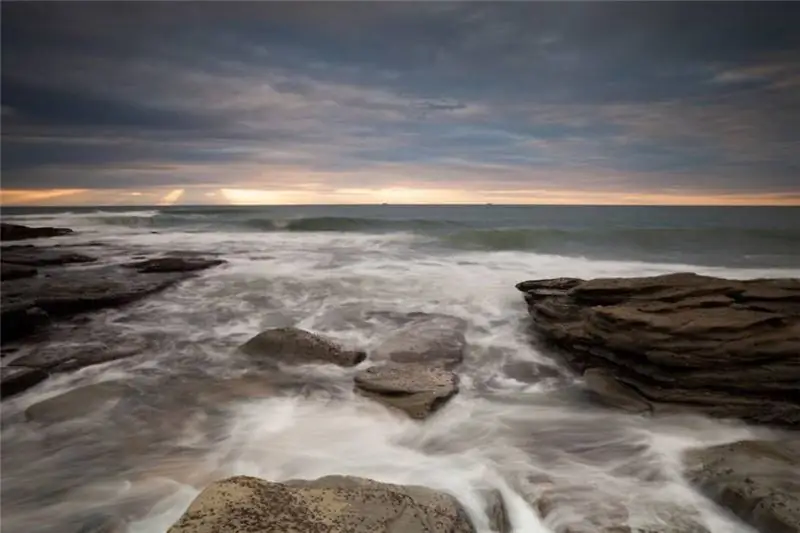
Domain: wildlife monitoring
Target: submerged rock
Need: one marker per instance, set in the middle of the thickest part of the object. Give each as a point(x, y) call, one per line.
point(9, 271)
point(77, 402)
point(677, 342)
point(175, 264)
point(431, 339)
point(296, 346)
point(334, 504)
point(38, 256)
point(759, 481)
point(16, 232)
point(415, 389)
point(27, 304)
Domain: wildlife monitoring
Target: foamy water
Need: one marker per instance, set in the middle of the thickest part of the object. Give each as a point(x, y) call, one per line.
point(194, 412)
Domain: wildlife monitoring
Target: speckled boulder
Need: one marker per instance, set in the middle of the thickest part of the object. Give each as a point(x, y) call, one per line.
point(418, 390)
point(297, 346)
point(332, 504)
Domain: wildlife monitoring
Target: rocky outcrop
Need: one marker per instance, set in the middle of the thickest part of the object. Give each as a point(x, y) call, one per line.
point(756, 480)
point(16, 232)
point(175, 264)
point(679, 342)
point(297, 347)
point(26, 303)
point(334, 504)
point(14, 380)
point(10, 271)
point(414, 389)
point(430, 339)
point(35, 256)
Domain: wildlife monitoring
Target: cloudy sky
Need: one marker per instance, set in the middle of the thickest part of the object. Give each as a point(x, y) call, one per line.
point(411, 102)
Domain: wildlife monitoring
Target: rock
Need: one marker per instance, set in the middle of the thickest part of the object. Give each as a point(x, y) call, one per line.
point(415, 389)
point(613, 393)
point(298, 347)
point(14, 380)
point(334, 504)
point(15, 232)
point(26, 303)
point(175, 264)
point(77, 402)
point(38, 256)
point(9, 271)
point(431, 339)
point(756, 480)
point(679, 342)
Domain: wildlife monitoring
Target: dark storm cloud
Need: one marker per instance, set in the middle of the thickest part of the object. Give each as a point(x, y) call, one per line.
point(618, 96)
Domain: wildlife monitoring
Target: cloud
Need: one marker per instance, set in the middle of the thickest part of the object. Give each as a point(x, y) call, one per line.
point(592, 97)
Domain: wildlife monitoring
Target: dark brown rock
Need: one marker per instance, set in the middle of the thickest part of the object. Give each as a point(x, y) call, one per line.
point(16, 232)
point(333, 504)
point(14, 380)
point(10, 271)
point(756, 480)
point(679, 342)
point(26, 304)
point(38, 256)
point(297, 347)
point(175, 264)
point(415, 389)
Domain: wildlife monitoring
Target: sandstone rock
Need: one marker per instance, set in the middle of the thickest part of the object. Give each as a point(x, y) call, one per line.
point(431, 339)
point(175, 264)
point(725, 348)
point(9, 271)
point(333, 504)
point(16, 232)
point(415, 389)
point(38, 256)
point(612, 392)
point(759, 481)
point(14, 380)
point(296, 346)
point(25, 304)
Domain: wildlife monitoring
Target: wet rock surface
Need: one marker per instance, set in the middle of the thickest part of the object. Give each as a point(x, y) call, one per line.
point(41, 256)
point(335, 504)
point(759, 481)
point(414, 389)
point(10, 271)
point(296, 346)
point(426, 338)
point(17, 379)
point(17, 232)
point(174, 264)
point(679, 342)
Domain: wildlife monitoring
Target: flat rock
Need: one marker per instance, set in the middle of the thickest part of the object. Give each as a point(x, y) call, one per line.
point(26, 304)
point(759, 481)
point(39, 256)
point(296, 346)
point(334, 504)
point(679, 342)
point(16, 232)
point(61, 357)
point(9, 271)
point(175, 264)
point(14, 380)
point(77, 402)
point(417, 390)
point(431, 339)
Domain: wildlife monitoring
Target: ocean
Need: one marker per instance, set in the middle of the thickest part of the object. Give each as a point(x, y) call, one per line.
point(347, 272)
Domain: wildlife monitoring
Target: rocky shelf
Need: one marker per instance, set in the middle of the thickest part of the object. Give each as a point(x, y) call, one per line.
point(679, 342)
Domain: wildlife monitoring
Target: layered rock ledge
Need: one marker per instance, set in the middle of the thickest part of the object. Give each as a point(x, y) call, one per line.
point(677, 342)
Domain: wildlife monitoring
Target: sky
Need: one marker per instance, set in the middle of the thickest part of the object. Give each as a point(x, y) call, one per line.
point(128, 103)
